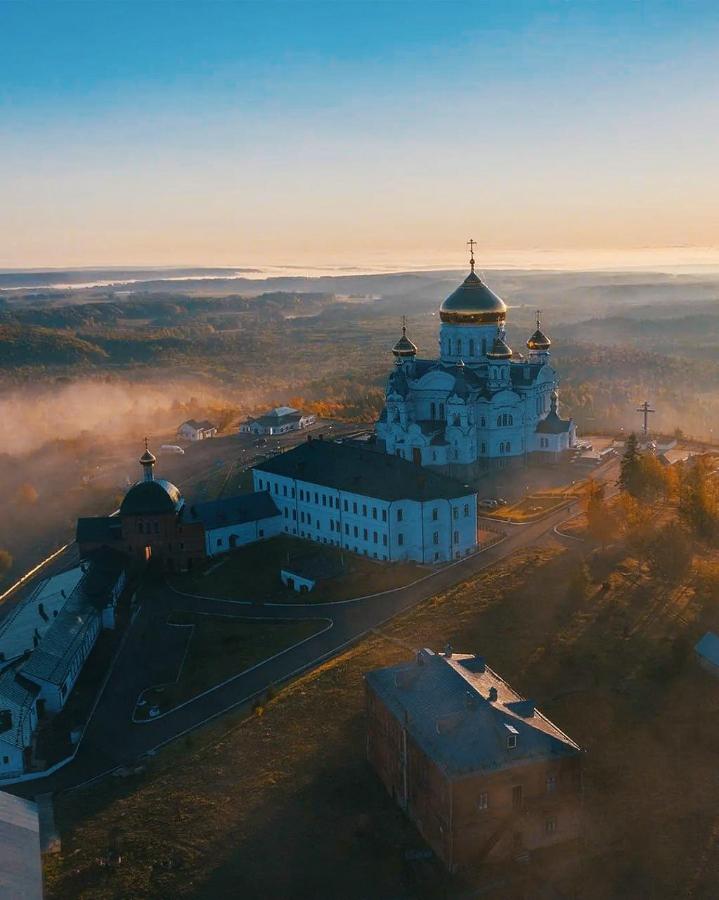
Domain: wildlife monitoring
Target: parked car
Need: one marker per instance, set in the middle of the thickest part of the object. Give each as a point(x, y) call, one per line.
point(172, 448)
point(488, 503)
point(502, 502)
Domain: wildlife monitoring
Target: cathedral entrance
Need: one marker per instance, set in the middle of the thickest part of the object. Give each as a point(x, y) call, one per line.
point(416, 456)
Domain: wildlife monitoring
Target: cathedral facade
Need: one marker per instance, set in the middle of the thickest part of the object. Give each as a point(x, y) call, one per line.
point(478, 406)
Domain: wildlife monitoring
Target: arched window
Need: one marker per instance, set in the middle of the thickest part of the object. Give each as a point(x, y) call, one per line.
point(510, 420)
point(432, 411)
point(499, 421)
point(483, 422)
point(449, 347)
point(441, 410)
point(484, 346)
point(501, 447)
point(456, 420)
point(459, 347)
point(508, 447)
point(471, 347)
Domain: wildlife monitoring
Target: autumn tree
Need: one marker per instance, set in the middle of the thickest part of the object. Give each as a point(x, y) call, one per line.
point(670, 552)
point(5, 562)
point(698, 501)
point(630, 475)
point(601, 523)
point(26, 495)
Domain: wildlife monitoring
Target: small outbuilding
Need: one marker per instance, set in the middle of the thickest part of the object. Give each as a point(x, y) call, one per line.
point(192, 430)
point(303, 573)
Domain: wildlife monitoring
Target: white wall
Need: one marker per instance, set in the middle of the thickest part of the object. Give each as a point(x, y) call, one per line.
point(380, 529)
point(220, 540)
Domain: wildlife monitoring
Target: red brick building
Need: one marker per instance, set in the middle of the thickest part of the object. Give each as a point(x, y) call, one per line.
point(151, 525)
point(478, 769)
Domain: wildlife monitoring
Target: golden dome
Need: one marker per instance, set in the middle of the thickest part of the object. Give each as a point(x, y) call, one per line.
point(473, 303)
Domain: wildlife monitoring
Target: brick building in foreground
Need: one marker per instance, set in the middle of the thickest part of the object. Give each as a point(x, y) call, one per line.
point(478, 769)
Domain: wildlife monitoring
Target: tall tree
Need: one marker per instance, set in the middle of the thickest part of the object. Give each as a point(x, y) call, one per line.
point(601, 523)
point(698, 506)
point(630, 475)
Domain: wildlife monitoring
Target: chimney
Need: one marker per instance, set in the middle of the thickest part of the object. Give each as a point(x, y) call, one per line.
point(492, 695)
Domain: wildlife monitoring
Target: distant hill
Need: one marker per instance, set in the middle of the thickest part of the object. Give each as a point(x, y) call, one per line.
point(27, 345)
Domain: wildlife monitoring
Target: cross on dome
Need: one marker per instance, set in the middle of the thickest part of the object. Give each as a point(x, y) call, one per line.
point(471, 243)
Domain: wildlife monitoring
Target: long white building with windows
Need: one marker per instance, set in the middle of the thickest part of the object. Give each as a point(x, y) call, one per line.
point(479, 405)
point(370, 503)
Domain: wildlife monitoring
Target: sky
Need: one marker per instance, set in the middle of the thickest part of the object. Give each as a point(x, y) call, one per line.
point(358, 133)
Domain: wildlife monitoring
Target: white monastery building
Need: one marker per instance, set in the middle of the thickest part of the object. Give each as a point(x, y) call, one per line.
point(478, 406)
point(370, 503)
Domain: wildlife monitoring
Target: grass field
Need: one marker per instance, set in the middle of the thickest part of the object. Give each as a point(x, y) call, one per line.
point(253, 573)
point(538, 504)
point(219, 647)
point(284, 805)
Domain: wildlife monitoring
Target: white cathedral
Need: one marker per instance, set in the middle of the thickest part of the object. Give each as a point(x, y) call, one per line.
point(479, 405)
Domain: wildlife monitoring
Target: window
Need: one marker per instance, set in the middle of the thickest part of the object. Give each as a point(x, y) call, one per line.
point(455, 513)
point(456, 537)
point(432, 411)
point(384, 540)
point(471, 347)
point(483, 422)
point(356, 532)
point(399, 515)
point(483, 800)
point(459, 347)
point(435, 513)
point(441, 410)
point(517, 796)
point(511, 741)
point(400, 540)
point(6, 760)
point(384, 515)
point(287, 513)
point(332, 524)
point(375, 537)
point(259, 484)
point(466, 510)
point(317, 524)
point(435, 537)
point(508, 447)
point(284, 488)
point(219, 542)
point(484, 447)
point(374, 512)
point(354, 508)
point(551, 784)
point(456, 420)
point(365, 533)
point(364, 510)
point(347, 506)
point(294, 514)
point(317, 497)
point(550, 826)
point(293, 493)
point(484, 346)
point(338, 527)
point(324, 499)
point(277, 488)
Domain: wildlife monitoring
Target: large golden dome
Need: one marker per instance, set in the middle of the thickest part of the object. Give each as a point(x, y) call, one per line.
point(473, 303)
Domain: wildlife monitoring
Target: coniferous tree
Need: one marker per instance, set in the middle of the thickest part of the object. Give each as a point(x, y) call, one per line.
point(630, 475)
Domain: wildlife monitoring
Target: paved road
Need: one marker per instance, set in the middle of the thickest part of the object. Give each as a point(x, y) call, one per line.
point(112, 739)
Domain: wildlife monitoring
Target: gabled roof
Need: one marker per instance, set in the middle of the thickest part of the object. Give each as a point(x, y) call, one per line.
point(20, 859)
point(447, 704)
point(98, 530)
point(16, 700)
point(553, 424)
point(204, 425)
point(347, 467)
point(234, 510)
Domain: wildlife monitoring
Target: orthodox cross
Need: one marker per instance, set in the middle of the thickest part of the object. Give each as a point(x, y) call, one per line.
point(471, 244)
point(539, 316)
point(645, 408)
point(404, 325)
point(147, 444)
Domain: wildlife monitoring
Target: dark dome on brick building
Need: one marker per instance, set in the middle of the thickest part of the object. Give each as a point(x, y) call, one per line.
point(151, 498)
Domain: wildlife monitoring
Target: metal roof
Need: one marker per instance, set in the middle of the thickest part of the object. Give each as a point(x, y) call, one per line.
point(447, 704)
point(20, 859)
point(354, 469)
point(98, 530)
point(151, 498)
point(708, 648)
point(234, 510)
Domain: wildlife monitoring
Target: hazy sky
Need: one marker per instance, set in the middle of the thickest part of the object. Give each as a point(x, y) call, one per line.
point(349, 133)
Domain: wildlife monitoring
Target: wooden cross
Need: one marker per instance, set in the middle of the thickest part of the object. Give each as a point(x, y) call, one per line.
point(645, 408)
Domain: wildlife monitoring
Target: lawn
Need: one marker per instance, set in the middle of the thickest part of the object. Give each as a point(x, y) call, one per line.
point(538, 504)
point(219, 647)
point(608, 658)
point(253, 573)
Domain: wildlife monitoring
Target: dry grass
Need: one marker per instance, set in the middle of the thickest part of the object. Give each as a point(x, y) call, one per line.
point(285, 806)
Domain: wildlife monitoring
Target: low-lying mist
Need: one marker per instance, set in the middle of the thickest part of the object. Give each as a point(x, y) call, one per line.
point(105, 410)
